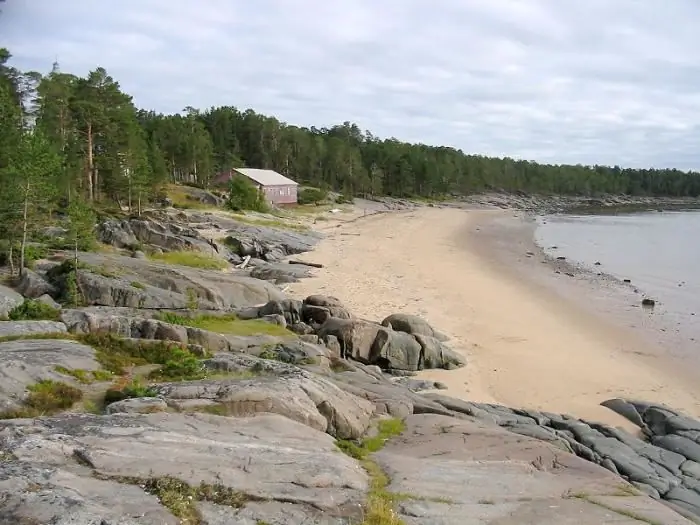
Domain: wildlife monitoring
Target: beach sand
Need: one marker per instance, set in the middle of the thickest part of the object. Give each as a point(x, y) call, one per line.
point(526, 345)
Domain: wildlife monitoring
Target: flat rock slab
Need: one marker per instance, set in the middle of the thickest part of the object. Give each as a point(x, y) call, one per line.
point(25, 362)
point(165, 286)
point(267, 457)
point(467, 472)
point(22, 328)
point(281, 389)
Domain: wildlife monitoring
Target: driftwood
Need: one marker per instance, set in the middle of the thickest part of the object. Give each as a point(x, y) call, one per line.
point(245, 262)
point(315, 265)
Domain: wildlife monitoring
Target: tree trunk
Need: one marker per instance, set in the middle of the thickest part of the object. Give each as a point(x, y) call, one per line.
point(11, 254)
point(90, 163)
point(23, 246)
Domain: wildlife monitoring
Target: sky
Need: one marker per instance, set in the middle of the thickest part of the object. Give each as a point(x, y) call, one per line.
point(561, 81)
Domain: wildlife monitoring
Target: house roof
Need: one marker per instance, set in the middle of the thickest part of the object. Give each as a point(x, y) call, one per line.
point(265, 177)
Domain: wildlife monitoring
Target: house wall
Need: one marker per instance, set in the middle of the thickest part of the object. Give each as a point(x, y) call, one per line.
point(282, 194)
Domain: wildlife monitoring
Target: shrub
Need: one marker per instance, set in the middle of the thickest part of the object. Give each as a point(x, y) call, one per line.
point(134, 389)
point(311, 196)
point(243, 195)
point(32, 310)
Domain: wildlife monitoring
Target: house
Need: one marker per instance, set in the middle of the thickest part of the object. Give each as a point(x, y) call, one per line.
point(277, 188)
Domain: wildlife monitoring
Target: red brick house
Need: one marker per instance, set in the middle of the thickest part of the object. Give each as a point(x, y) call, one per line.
point(277, 188)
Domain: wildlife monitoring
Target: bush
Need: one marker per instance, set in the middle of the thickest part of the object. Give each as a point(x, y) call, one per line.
point(243, 195)
point(132, 390)
point(31, 310)
point(311, 196)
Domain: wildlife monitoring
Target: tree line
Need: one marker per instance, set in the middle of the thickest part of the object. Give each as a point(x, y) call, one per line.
point(82, 139)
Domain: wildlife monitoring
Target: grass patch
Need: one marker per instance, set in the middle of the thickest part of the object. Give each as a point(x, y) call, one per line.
point(379, 508)
point(136, 388)
point(116, 355)
point(183, 199)
point(270, 223)
point(85, 376)
point(191, 259)
point(136, 284)
point(181, 498)
point(31, 310)
point(225, 324)
point(45, 398)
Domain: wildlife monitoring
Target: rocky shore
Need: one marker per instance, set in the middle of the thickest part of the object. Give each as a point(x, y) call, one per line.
point(166, 393)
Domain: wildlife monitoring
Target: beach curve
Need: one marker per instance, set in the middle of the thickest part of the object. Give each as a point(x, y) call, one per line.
point(525, 346)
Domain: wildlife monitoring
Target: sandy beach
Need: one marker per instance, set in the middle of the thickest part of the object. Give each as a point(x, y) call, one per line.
point(526, 345)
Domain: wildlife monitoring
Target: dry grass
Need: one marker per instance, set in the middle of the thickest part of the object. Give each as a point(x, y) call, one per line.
point(191, 259)
point(226, 324)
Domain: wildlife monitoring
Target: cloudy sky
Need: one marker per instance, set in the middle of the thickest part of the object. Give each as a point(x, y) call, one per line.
point(595, 81)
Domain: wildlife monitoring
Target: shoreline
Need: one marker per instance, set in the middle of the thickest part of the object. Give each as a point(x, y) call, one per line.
point(526, 345)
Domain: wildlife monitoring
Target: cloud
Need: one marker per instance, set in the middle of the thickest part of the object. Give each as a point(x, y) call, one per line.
point(576, 82)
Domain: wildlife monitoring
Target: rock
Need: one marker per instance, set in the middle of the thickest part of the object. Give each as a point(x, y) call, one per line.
point(138, 254)
point(163, 286)
point(280, 273)
point(325, 301)
point(648, 302)
point(301, 328)
point(25, 362)
point(268, 458)
point(269, 244)
point(290, 309)
point(49, 301)
point(292, 392)
point(137, 405)
point(436, 355)
point(32, 285)
point(396, 350)
point(36, 493)
point(411, 324)
point(354, 336)
point(295, 352)
point(275, 319)
point(418, 385)
point(8, 300)
point(25, 328)
point(469, 472)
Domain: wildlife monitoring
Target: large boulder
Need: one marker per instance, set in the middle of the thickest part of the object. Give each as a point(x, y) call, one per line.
point(396, 351)
point(84, 467)
point(411, 324)
point(8, 300)
point(33, 286)
point(435, 354)
point(355, 336)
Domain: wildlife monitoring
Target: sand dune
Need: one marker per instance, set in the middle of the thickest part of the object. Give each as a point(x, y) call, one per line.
point(525, 348)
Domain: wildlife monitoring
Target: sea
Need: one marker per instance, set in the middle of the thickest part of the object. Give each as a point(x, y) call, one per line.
point(658, 253)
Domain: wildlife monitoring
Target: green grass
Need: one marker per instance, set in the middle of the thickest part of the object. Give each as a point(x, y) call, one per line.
point(136, 388)
point(379, 507)
point(191, 259)
point(136, 284)
point(85, 376)
point(31, 310)
point(226, 324)
point(116, 355)
point(45, 397)
point(269, 223)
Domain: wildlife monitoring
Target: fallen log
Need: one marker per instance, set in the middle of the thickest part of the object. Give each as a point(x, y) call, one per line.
point(314, 265)
point(245, 262)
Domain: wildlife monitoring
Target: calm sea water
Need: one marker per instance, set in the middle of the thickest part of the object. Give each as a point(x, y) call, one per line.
point(658, 252)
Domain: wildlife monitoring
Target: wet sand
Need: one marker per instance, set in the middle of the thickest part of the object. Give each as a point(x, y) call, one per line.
point(528, 340)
